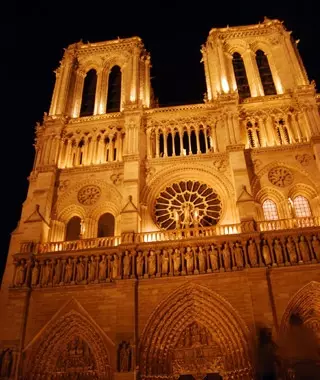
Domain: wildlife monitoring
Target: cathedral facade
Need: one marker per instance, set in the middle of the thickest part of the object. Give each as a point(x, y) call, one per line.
point(170, 242)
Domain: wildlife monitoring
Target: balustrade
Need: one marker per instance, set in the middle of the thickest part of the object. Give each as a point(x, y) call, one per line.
point(215, 255)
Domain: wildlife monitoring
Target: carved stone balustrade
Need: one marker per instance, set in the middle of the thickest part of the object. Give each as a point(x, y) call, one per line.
point(179, 257)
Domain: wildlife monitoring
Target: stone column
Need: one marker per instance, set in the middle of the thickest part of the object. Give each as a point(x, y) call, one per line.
point(66, 69)
point(206, 71)
point(147, 81)
point(249, 60)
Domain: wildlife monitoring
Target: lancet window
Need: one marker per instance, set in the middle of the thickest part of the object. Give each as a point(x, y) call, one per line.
point(253, 133)
point(73, 229)
point(114, 90)
point(301, 207)
point(89, 93)
point(282, 132)
point(270, 210)
point(265, 73)
point(106, 225)
point(241, 76)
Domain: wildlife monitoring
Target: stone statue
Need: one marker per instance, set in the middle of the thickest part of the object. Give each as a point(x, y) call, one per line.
point(103, 268)
point(80, 270)
point(238, 255)
point(92, 270)
point(46, 273)
point(57, 272)
point(189, 261)
point(115, 266)
point(226, 256)
point(252, 253)
point(68, 271)
point(202, 260)
point(35, 274)
point(126, 264)
point(176, 260)
point(316, 247)
point(164, 262)
point(6, 364)
point(266, 253)
point(214, 258)
point(278, 251)
point(304, 249)
point(152, 263)
point(124, 358)
point(140, 264)
point(186, 215)
point(291, 247)
point(20, 273)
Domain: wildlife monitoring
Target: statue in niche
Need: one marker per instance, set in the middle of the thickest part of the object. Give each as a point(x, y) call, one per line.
point(68, 271)
point(316, 247)
point(80, 270)
point(103, 268)
point(35, 274)
point(238, 255)
point(140, 264)
point(226, 256)
point(164, 262)
point(189, 260)
point(176, 260)
point(126, 264)
point(115, 266)
point(152, 263)
point(6, 363)
point(202, 260)
point(214, 257)
point(124, 357)
point(278, 251)
point(46, 273)
point(291, 247)
point(57, 272)
point(92, 269)
point(253, 253)
point(304, 249)
point(266, 253)
point(20, 273)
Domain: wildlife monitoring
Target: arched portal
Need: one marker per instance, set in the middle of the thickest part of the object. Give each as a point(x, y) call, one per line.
point(106, 225)
point(73, 228)
point(70, 348)
point(195, 331)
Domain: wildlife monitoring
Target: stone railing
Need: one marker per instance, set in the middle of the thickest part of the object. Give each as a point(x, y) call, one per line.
point(172, 258)
point(283, 224)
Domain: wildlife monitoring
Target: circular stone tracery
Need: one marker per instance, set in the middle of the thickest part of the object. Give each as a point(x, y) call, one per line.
point(280, 176)
point(89, 195)
point(187, 204)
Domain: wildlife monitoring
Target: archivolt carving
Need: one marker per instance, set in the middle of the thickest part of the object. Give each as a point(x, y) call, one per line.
point(104, 207)
point(63, 333)
point(302, 189)
point(73, 210)
point(191, 305)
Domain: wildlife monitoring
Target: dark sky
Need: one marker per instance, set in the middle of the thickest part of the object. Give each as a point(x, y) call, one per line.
point(34, 34)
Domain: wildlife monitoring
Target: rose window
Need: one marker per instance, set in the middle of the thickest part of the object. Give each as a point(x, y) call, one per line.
point(89, 195)
point(187, 204)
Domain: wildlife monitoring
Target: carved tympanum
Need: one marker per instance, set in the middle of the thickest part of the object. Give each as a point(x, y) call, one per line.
point(89, 195)
point(280, 176)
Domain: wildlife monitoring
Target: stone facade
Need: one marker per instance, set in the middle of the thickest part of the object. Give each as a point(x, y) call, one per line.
point(208, 263)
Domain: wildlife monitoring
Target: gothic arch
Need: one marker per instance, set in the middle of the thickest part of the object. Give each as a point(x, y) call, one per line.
point(276, 196)
point(54, 340)
point(67, 213)
point(194, 303)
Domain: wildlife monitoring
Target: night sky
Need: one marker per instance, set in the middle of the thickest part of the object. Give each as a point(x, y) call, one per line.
point(35, 33)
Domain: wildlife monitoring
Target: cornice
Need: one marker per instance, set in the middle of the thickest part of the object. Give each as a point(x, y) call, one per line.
point(110, 166)
point(281, 148)
point(118, 116)
point(184, 159)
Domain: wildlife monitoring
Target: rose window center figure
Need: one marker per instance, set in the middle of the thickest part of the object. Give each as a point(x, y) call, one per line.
point(187, 204)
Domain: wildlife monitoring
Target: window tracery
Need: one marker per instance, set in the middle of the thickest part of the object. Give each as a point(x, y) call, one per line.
point(301, 207)
point(253, 133)
point(270, 210)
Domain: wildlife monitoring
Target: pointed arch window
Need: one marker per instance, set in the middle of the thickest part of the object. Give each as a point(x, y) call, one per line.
point(106, 225)
point(265, 73)
point(301, 207)
point(73, 228)
point(253, 132)
point(89, 93)
point(270, 210)
point(114, 90)
point(241, 76)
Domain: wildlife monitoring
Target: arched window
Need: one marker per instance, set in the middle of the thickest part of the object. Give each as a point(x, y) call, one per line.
point(253, 132)
point(301, 207)
point(169, 145)
point(177, 147)
point(114, 90)
point(202, 141)
point(185, 141)
point(241, 76)
point(193, 142)
point(265, 73)
point(88, 93)
point(270, 211)
point(73, 228)
point(106, 225)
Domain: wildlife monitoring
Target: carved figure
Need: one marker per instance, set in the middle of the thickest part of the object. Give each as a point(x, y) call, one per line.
point(226, 256)
point(103, 268)
point(46, 273)
point(6, 364)
point(92, 270)
point(20, 274)
point(202, 260)
point(164, 262)
point(252, 253)
point(68, 271)
point(35, 274)
point(80, 270)
point(57, 272)
point(152, 263)
point(126, 264)
point(214, 260)
point(238, 255)
point(316, 247)
point(176, 260)
point(124, 359)
point(304, 249)
point(278, 251)
point(115, 266)
point(139, 264)
point(189, 260)
point(291, 247)
point(266, 253)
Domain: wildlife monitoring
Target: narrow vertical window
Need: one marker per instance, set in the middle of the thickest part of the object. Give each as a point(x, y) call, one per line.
point(73, 228)
point(301, 207)
point(114, 90)
point(88, 93)
point(106, 225)
point(265, 73)
point(270, 211)
point(241, 76)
